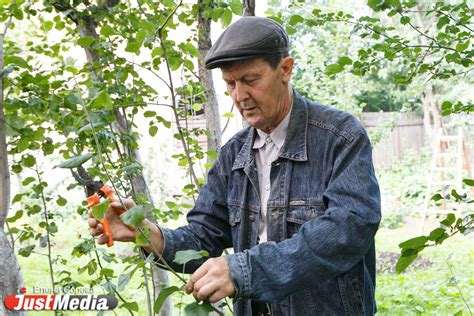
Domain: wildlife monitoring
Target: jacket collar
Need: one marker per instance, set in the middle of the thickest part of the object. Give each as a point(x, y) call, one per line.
point(295, 144)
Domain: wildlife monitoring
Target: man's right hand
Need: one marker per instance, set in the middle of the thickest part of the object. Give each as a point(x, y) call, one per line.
point(120, 231)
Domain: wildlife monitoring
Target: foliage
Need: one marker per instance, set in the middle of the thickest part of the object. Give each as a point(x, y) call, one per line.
point(82, 111)
point(449, 227)
point(436, 283)
point(417, 41)
point(403, 186)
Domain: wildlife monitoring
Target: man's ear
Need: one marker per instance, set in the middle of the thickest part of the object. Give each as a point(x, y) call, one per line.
point(286, 67)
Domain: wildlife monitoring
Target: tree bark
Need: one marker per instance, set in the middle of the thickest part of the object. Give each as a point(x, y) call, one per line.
point(428, 100)
point(211, 107)
point(249, 7)
point(249, 10)
point(10, 274)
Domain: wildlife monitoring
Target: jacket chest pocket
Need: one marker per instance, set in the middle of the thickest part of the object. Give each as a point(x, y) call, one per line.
point(234, 221)
point(297, 215)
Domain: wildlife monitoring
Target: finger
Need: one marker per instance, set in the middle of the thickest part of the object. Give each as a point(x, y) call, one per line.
point(205, 292)
point(92, 222)
point(97, 230)
point(189, 287)
point(199, 273)
point(217, 296)
point(118, 206)
point(102, 239)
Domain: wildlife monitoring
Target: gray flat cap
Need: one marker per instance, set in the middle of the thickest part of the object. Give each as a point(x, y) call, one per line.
point(248, 38)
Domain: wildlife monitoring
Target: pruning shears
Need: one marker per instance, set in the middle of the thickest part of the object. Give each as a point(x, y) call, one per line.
point(97, 190)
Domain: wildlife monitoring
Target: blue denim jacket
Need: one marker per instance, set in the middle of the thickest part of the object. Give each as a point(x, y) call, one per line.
point(323, 212)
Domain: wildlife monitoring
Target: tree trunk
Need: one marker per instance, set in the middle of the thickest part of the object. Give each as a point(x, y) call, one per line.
point(87, 27)
point(211, 107)
point(249, 7)
point(428, 100)
point(249, 10)
point(10, 275)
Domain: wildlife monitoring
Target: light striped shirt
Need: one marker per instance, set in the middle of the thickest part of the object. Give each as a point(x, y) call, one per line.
point(268, 146)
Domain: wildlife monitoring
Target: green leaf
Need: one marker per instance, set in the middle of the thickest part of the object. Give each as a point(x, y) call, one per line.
point(404, 20)
point(28, 161)
point(134, 216)
point(414, 243)
point(164, 293)
point(99, 210)
point(149, 113)
point(133, 46)
point(16, 60)
point(152, 130)
point(442, 22)
point(48, 25)
point(228, 115)
point(344, 61)
point(184, 256)
point(212, 154)
point(85, 41)
point(17, 198)
point(147, 26)
point(462, 46)
point(198, 309)
point(26, 251)
point(333, 69)
point(405, 260)
point(437, 197)
point(61, 201)
point(190, 49)
point(435, 234)
point(102, 101)
point(373, 4)
point(27, 181)
point(449, 220)
point(295, 19)
point(123, 281)
point(106, 30)
point(15, 217)
point(132, 306)
point(141, 240)
point(226, 18)
point(75, 162)
point(236, 7)
point(469, 182)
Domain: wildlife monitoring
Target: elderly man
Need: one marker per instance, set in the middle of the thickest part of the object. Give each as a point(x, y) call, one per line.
point(295, 195)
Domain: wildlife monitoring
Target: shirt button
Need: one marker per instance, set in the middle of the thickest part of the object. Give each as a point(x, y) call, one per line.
point(267, 187)
point(269, 163)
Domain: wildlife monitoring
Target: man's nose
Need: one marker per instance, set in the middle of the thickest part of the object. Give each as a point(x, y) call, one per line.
point(240, 93)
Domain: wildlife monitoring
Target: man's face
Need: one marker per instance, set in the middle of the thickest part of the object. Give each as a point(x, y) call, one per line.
point(261, 93)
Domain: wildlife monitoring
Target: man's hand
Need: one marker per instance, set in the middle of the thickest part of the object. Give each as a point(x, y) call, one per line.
point(211, 282)
point(120, 232)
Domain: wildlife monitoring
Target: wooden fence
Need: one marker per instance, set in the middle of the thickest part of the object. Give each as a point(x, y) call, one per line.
point(393, 133)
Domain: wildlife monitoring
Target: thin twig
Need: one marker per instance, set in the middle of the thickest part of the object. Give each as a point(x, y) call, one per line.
point(457, 286)
point(154, 73)
point(107, 278)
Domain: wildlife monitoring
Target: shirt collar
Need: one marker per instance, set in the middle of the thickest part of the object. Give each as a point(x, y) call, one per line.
point(278, 135)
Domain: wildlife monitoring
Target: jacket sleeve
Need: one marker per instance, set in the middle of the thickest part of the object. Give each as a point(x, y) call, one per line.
point(208, 225)
point(325, 246)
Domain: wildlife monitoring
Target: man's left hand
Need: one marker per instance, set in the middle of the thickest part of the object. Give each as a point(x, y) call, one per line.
point(211, 282)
